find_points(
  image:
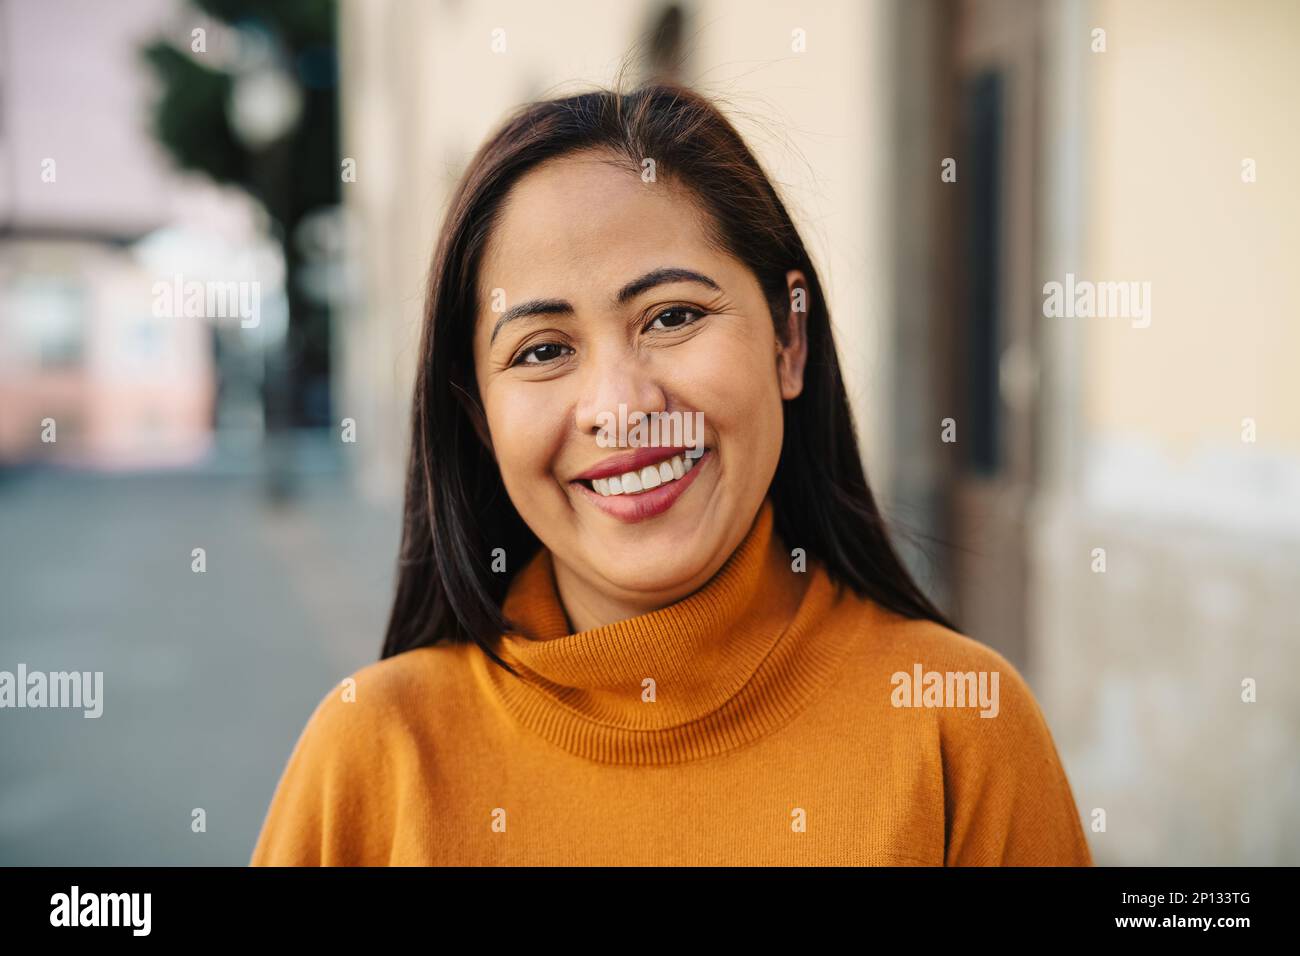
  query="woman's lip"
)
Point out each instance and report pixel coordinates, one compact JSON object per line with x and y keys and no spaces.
{"x":645,"y":504}
{"x":632,"y":461}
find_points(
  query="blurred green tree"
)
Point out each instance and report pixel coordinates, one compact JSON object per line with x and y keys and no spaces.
{"x":264,"y":116}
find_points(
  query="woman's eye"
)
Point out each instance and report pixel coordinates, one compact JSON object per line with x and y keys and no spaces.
{"x":541,"y":354}
{"x":665,"y":321}
{"x":675,"y":318}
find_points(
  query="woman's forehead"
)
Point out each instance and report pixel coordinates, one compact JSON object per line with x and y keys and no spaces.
{"x":583,"y":218}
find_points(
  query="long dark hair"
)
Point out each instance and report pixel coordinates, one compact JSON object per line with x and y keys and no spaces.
{"x":457,"y":511}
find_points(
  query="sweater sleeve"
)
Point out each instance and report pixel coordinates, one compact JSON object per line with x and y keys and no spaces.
{"x":1007,"y":800}
{"x":322,"y":812}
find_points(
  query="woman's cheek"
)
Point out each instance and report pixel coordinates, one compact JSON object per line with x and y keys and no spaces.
{"x":732,"y":379}
{"x":527,"y":431}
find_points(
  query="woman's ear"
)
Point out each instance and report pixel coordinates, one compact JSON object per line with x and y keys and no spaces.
{"x":792,"y":353}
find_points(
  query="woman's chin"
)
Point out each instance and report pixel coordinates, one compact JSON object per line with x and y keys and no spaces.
{"x":659,"y":582}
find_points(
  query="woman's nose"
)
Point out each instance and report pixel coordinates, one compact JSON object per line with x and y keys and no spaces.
{"x":609,"y":384}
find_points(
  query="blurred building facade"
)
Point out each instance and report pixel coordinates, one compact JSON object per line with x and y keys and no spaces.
{"x":87,"y":374}
{"x":1173,"y":446}
{"x":93,"y":217}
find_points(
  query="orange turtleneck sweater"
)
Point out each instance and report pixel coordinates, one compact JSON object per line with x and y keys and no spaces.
{"x":764,"y":720}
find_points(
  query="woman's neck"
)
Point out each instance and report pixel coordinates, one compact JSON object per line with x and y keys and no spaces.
{"x":589,"y":603}
{"x":588,"y":607}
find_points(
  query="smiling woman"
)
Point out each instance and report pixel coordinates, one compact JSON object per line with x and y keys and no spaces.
{"x":655,"y":654}
{"x":622,"y":326}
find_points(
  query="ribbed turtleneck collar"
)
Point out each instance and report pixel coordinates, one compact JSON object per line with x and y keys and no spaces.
{"x":730,"y":662}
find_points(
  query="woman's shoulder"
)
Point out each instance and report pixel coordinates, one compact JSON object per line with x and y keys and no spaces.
{"x":927,"y":665}
{"x":893,"y":637}
{"x":990,"y":741}
{"x":389,"y":694}
{"x":367,"y":736}
{"x":415,"y":671}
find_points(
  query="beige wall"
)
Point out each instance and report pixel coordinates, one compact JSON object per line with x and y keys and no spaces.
{"x":1183,"y":93}
{"x":1140,"y":668}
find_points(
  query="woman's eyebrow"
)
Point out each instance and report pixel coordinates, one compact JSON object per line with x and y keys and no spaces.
{"x":662,"y":277}
{"x":630,"y":291}
{"x":531,"y":307}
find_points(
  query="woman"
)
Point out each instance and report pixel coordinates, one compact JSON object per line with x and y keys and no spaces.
{"x":617,"y":644}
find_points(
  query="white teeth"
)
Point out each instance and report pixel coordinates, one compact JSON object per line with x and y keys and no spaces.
{"x":652,"y":476}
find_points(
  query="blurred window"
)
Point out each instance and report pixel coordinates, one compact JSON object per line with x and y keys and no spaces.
{"x":50,"y":313}
{"x":983,"y":218}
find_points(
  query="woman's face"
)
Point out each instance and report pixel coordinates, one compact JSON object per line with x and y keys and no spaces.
{"x":598,"y":290}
